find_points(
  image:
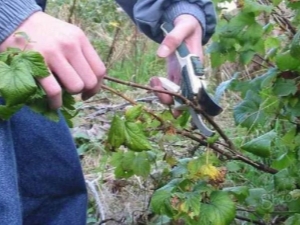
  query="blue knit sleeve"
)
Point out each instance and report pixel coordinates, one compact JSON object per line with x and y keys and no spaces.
{"x":13,"y":13}
{"x":150,"y":14}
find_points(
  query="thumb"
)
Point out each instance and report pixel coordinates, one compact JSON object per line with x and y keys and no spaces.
{"x":173,"y":39}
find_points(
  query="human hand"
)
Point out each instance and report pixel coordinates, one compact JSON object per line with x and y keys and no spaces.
{"x":68,"y":54}
{"x":186,"y":29}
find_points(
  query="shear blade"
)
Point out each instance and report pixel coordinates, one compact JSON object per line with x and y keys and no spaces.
{"x":200,"y":124}
{"x":207,"y":104}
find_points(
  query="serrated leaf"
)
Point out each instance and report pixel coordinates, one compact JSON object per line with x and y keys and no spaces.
{"x":219,"y":211}
{"x":35,"y":63}
{"x":116,"y":133}
{"x":240,"y":192}
{"x":17,"y":84}
{"x":135,"y":138}
{"x":293,"y":220}
{"x":260,"y":146}
{"x":133,"y":112}
{"x":248,"y":112}
{"x":285,"y":87}
{"x":283,"y":180}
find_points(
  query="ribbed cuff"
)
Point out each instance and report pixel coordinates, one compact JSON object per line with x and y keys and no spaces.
{"x":183,"y":7}
{"x":13,"y":13}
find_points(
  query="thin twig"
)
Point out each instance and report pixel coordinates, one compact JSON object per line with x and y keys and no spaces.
{"x":235,"y":155}
{"x":72,"y":10}
{"x":97,"y":199}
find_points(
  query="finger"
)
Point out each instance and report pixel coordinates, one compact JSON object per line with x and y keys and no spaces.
{"x":173,"y":39}
{"x":52,"y":90}
{"x":83,"y":69}
{"x":66,"y":74}
{"x":93,"y":59}
{"x":173,"y":69}
{"x":163,"y":98}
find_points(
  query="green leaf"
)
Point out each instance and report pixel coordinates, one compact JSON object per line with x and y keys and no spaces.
{"x":283,"y":180}
{"x":260,"y":146}
{"x":272,"y":42}
{"x":34,"y":62}
{"x":255,"y":7}
{"x":133,"y":112}
{"x":248,"y":112}
{"x":224,"y":86}
{"x":220,"y":210}
{"x":7,"y":111}
{"x":135,"y":138}
{"x":285,"y":87}
{"x":276,"y":2}
{"x":191,"y":204}
{"x":141,"y":165}
{"x":284,"y":161}
{"x":246,"y":56}
{"x":240,"y":192}
{"x":17,"y":84}
{"x":161,"y":199}
{"x":285,"y":62}
{"x":256,"y":195}
{"x":295,"y":194}
{"x":116,"y":133}
{"x":293,"y":220}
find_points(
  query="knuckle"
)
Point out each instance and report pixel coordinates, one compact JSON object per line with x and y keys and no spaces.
{"x":54,"y":92}
{"x":101,"y":72}
{"x":75,"y":88}
{"x":91,"y":84}
{"x":171,"y":40}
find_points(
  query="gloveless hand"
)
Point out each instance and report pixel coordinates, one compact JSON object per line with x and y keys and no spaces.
{"x":68,"y":54}
{"x":186,"y":29}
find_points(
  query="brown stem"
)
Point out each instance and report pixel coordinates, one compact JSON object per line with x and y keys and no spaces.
{"x":233,"y":156}
{"x":232,"y":153}
{"x":112,"y":47}
{"x":132,"y":102}
{"x":72,"y":10}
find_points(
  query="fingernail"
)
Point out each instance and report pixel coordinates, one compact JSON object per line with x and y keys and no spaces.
{"x":163,"y":51}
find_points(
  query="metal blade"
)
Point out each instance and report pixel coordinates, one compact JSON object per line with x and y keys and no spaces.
{"x":207,"y":104}
{"x":200,"y":124}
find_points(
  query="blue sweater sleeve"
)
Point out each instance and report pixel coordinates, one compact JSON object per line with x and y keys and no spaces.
{"x":149,"y":15}
{"x":13,"y":13}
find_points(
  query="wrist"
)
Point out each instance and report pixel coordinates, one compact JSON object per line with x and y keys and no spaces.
{"x":12,"y":15}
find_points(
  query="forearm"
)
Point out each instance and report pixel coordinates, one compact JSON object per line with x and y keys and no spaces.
{"x":149,"y":14}
{"x":13,"y":13}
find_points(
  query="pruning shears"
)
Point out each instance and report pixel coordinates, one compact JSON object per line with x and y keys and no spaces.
{"x":192,"y":87}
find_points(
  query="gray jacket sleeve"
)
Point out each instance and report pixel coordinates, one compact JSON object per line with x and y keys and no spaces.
{"x":13,"y":13}
{"x":149,"y":14}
